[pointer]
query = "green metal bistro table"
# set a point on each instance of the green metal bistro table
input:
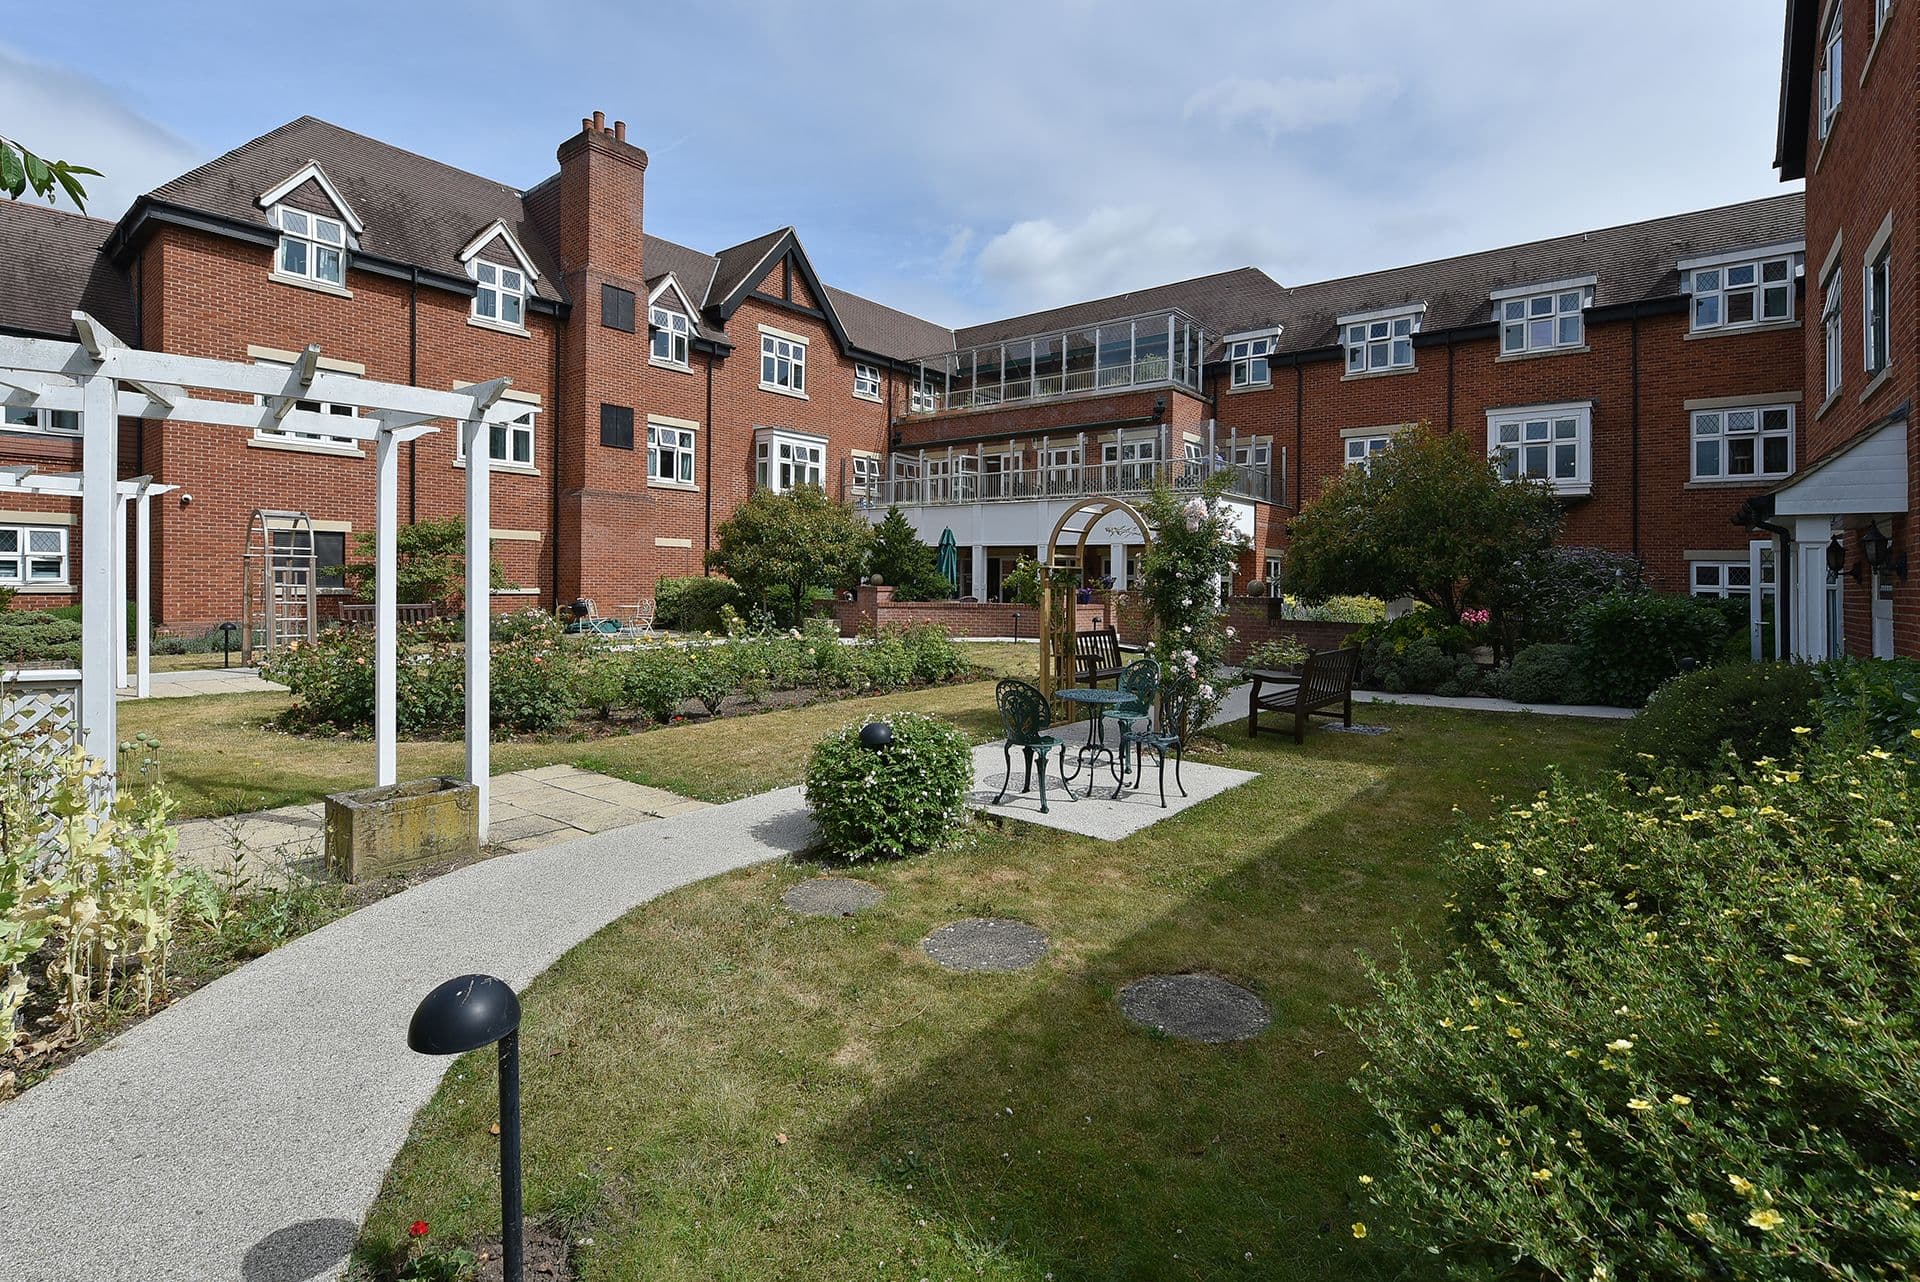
(1088, 754)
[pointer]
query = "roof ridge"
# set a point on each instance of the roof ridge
(378, 142)
(1115, 297)
(1542, 240)
(51, 208)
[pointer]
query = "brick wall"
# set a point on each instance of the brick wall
(875, 607)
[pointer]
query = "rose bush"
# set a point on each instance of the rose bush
(908, 797)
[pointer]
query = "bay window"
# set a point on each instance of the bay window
(1550, 443)
(783, 460)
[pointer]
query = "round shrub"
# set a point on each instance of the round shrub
(1543, 673)
(1675, 1038)
(1753, 706)
(908, 797)
(1631, 642)
(658, 682)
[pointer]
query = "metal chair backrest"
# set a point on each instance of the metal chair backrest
(1141, 679)
(1175, 707)
(1024, 713)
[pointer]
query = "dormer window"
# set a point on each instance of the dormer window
(1380, 342)
(1249, 360)
(671, 332)
(1543, 318)
(312, 246)
(501, 293)
(1736, 291)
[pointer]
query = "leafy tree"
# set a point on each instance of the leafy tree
(902, 560)
(431, 560)
(21, 169)
(1430, 519)
(779, 547)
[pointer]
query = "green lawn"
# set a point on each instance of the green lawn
(221, 754)
(717, 1088)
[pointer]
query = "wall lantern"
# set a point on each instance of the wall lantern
(1878, 549)
(1836, 559)
(463, 1015)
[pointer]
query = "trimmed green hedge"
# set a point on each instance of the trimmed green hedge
(1693, 719)
(695, 604)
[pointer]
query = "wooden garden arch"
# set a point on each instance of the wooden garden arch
(1056, 602)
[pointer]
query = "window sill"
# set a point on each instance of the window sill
(1380, 373)
(1875, 384)
(675, 366)
(515, 469)
(41, 589)
(778, 390)
(682, 486)
(862, 396)
(514, 592)
(499, 327)
(307, 282)
(21, 429)
(305, 447)
(1879, 38)
(1572, 490)
(1581, 350)
(1737, 482)
(1734, 331)
(1832, 400)
(1251, 387)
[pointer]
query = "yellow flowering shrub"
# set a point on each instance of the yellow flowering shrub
(1677, 1035)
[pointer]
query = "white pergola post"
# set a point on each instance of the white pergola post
(474, 434)
(386, 611)
(143, 594)
(99, 453)
(122, 677)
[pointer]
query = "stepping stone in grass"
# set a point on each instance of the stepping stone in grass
(1196, 1008)
(986, 944)
(831, 896)
(1357, 729)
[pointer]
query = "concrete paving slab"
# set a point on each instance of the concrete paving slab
(244, 1132)
(1101, 815)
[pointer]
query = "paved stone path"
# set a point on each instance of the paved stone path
(269, 1104)
(187, 682)
(529, 808)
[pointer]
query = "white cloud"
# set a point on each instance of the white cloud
(1038, 261)
(64, 115)
(1287, 105)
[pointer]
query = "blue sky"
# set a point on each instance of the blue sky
(977, 162)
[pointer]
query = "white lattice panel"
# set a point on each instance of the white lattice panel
(41, 711)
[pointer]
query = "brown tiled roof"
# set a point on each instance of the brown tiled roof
(52, 264)
(887, 331)
(1634, 263)
(734, 266)
(416, 211)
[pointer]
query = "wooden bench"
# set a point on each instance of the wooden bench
(1096, 656)
(355, 615)
(1322, 688)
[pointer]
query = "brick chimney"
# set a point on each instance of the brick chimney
(605, 518)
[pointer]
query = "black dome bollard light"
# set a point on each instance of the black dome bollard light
(876, 736)
(463, 1015)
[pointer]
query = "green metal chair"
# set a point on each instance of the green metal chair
(1025, 717)
(1167, 737)
(1141, 679)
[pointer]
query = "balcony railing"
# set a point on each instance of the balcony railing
(1156, 349)
(960, 483)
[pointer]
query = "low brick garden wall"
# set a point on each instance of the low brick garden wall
(1255, 621)
(875, 607)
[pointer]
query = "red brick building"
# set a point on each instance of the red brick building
(1653, 373)
(1848, 126)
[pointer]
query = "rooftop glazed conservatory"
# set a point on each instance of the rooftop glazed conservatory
(1155, 349)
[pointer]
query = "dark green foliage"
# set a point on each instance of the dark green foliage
(39, 637)
(1417, 653)
(780, 547)
(1690, 721)
(1675, 1038)
(1542, 673)
(695, 604)
(1879, 697)
(1632, 642)
(904, 562)
(431, 557)
(909, 797)
(1552, 584)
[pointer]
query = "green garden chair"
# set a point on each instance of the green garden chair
(1141, 679)
(1025, 717)
(1167, 737)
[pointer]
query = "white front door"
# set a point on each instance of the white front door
(1882, 616)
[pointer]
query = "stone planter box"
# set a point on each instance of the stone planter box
(380, 831)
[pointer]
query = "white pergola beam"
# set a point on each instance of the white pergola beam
(100, 437)
(386, 612)
(479, 612)
(122, 673)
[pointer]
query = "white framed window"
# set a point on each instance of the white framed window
(1250, 362)
(866, 381)
(783, 460)
(27, 418)
(1734, 295)
(1543, 322)
(1275, 567)
(670, 453)
(1729, 578)
(1254, 454)
(924, 397)
(1551, 443)
(1874, 309)
(1832, 342)
(866, 474)
(1831, 65)
(311, 407)
(510, 444)
(500, 295)
(783, 363)
(1361, 449)
(1881, 8)
(1743, 442)
(312, 246)
(33, 554)
(1380, 342)
(671, 334)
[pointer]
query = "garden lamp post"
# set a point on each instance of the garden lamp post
(226, 631)
(463, 1015)
(876, 736)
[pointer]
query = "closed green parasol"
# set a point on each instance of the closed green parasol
(948, 561)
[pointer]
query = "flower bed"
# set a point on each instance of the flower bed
(546, 682)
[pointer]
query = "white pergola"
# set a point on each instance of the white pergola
(103, 380)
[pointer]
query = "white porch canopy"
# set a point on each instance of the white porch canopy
(103, 380)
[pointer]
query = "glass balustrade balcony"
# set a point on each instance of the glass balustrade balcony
(943, 477)
(1156, 349)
